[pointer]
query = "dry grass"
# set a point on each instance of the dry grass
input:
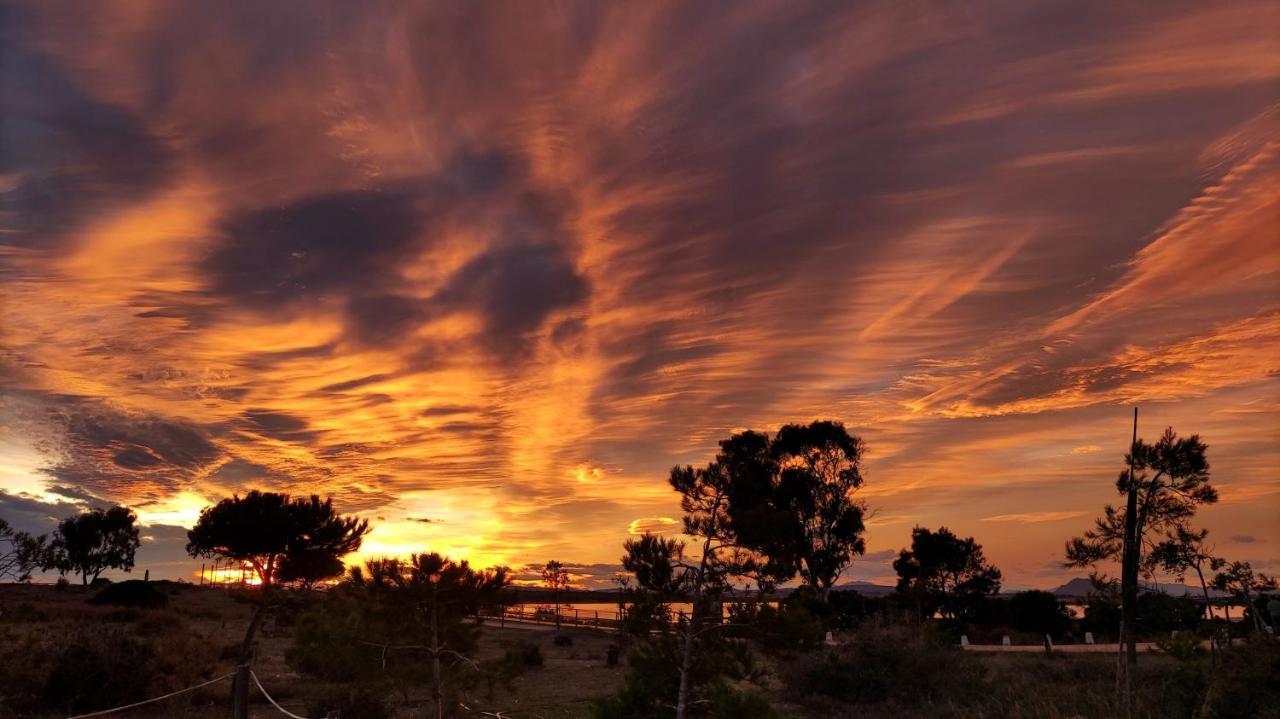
(198, 633)
(36, 619)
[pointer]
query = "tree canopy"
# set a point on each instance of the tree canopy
(1171, 478)
(92, 542)
(945, 573)
(275, 533)
(791, 500)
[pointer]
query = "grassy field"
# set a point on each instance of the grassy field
(197, 635)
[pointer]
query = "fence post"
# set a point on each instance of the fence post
(240, 693)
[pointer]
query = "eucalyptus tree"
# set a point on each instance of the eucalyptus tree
(945, 573)
(820, 469)
(792, 500)
(92, 542)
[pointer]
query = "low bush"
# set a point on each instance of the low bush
(791, 625)
(1244, 682)
(530, 654)
(716, 682)
(99, 670)
(883, 662)
(132, 593)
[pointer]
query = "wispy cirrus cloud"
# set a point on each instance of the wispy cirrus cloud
(502, 267)
(1034, 517)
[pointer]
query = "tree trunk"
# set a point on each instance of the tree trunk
(1253, 611)
(1129, 583)
(1208, 610)
(1226, 612)
(691, 630)
(437, 692)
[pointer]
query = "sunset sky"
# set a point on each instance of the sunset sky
(484, 271)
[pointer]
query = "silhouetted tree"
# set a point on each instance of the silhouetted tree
(434, 598)
(1184, 550)
(265, 529)
(20, 553)
(90, 543)
(1038, 611)
(1239, 580)
(791, 500)
(945, 573)
(657, 565)
(556, 578)
(1170, 480)
(704, 498)
(820, 470)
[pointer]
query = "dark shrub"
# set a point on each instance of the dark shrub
(1244, 683)
(1101, 616)
(793, 624)
(1039, 612)
(887, 662)
(132, 593)
(644, 614)
(994, 612)
(653, 679)
(352, 701)
(99, 670)
(503, 671)
(849, 608)
(1161, 613)
(530, 654)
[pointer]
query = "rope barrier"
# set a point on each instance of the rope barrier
(156, 699)
(284, 711)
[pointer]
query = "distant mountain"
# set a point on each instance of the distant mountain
(867, 588)
(1080, 587)
(1077, 588)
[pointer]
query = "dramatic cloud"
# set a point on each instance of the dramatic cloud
(500, 266)
(656, 525)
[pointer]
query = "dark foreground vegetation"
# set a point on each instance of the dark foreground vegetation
(60, 655)
(400, 637)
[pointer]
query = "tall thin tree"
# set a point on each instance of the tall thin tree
(1164, 484)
